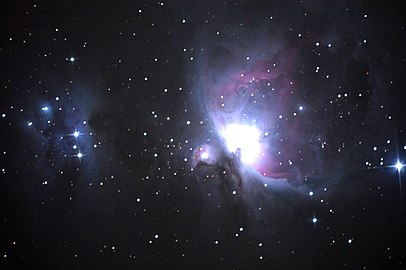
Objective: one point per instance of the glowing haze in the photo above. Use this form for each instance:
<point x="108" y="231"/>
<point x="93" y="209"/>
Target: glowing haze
<point x="243" y="140"/>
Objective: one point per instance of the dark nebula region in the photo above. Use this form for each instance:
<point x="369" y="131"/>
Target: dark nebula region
<point x="202" y="135"/>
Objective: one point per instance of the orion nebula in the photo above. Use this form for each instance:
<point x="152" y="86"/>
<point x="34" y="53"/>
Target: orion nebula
<point x="255" y="108"/>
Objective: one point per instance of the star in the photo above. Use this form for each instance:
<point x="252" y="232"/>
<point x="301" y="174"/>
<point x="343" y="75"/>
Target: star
<point x="399" y="166"/>
<point x="79" y="155"/>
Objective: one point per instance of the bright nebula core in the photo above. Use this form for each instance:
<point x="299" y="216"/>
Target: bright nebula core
<point x="243" y="140"/>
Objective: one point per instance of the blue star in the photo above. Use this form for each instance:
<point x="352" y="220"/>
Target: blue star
<point x="399" y="166"/>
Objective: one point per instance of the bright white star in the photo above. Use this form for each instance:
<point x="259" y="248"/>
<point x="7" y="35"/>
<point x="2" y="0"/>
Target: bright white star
<point x="399" y="166"/>
<point x="243" y="140"/>
<point x="76" y="134"/>
<point x="80" y="155"/>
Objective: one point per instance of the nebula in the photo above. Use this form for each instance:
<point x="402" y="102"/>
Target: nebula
<point x="251" y="100"/>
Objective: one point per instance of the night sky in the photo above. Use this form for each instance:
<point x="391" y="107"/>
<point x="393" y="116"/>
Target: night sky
<point x="203" y="135"/>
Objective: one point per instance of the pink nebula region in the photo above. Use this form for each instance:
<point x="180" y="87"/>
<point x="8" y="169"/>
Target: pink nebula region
<point x="256" y="110"/>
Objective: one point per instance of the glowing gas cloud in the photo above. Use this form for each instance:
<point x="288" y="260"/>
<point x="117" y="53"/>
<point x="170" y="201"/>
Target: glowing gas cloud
<point x="243" y="140"/>
<point x="252" y="102"/>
